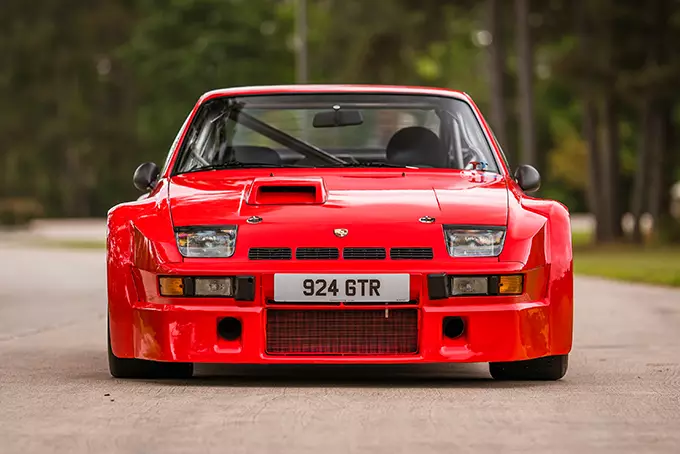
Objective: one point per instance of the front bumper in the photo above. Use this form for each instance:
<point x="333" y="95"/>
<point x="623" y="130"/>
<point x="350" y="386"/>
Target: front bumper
<point x="497" y="328"/>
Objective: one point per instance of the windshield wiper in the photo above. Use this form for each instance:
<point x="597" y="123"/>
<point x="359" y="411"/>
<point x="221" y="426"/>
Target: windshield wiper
<point x="377" y="164"/>
<point x="239" y="165"/>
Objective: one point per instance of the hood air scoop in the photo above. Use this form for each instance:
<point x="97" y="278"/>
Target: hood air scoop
<point x="286" y="191"/>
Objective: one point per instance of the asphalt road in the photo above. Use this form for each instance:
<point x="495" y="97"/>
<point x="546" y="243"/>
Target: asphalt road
<point x="621" y="394"/>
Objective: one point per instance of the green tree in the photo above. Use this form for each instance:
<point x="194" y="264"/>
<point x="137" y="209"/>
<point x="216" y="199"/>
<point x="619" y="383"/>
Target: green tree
<point x="64" y="102"/>
<point x="183" y="48"/>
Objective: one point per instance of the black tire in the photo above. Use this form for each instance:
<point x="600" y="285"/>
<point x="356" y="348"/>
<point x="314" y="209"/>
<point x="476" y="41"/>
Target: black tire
<point x="546" y="368"/>
<point x="140" y="368"/>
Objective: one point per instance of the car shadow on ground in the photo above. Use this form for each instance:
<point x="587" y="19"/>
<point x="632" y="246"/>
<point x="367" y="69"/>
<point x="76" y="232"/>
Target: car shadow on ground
<point x="346" y="376"/>
<point x="454" y="375"/>
<point x="91" y="365"/>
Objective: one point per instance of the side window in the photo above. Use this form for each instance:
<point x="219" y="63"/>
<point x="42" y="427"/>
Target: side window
<point x="202" y="142"/>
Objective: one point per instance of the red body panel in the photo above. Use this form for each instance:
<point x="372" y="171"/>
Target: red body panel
<point x="379" y="207"/>
<point x="350" y="196"/>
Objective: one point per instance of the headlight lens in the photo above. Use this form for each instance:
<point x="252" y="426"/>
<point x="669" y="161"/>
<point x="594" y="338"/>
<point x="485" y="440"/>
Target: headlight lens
<point x="209" y="241"/>
<point x="474" y="241"/>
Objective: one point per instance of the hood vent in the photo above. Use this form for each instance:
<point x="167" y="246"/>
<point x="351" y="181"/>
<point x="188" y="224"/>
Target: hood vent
<point x="286" y="191"/>
<point x="285" y="195"/>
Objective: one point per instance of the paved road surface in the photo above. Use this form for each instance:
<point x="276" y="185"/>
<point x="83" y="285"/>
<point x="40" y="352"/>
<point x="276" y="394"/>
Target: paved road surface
<point x="622" y="393"/>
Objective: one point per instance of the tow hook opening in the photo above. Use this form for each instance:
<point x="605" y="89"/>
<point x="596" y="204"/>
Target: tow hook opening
<point x="229" y="328"/>
<point x="453" y="327"/>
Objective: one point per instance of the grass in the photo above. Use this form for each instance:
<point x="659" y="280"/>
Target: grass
<point x="646" y="264"/>
<point x="71" y="244"/>
<point x="581" y="239"/>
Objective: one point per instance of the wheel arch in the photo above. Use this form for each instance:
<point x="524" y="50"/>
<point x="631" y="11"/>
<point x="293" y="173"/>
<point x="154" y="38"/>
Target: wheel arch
<point x="139" y="236"/>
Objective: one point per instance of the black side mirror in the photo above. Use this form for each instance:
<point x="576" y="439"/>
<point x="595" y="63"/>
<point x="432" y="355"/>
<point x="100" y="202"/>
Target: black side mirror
<point x="528" y="178"/>
<point x="146" y="176"/>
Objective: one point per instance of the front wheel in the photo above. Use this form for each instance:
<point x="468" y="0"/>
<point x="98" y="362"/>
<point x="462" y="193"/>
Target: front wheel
<point x="141" y="368"/>
<point x="546" y="368"/>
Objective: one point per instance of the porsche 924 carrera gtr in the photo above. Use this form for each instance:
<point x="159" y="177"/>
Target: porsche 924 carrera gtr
<point x="338" y="224"/>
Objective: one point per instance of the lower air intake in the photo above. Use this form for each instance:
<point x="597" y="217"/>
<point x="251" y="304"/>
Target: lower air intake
<point x="342" y="332"/>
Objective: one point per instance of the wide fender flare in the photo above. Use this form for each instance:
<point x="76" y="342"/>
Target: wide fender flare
<point x="539" y="234"/>
<point x="139" y="236"/>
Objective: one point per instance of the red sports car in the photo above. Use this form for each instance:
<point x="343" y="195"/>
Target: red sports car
<point x="338" y="224"/>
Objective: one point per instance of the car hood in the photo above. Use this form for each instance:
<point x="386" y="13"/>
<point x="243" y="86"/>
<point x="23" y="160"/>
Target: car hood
<point x="352" y="197"/>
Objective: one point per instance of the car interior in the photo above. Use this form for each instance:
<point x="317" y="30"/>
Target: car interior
<point x="411" y="146"/>
<point x="219" y="141"/>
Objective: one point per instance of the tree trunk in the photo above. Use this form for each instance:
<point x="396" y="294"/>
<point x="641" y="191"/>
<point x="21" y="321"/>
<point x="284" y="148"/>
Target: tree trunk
<point x="669" y="227"/>
<point x="590" y="127"/>
<point x="661" y="166"/>
<point x="611" y="208"/>
<point x="590" y="117"/>
<point x="497" y="71"/>
<point x="640" y="198"/>
<point x="655" y="163"/>
<point x="525" y="66"/>
<point x="654" y="172"/>
<point x="610" y="211"/>
<point x="661" y="160"/>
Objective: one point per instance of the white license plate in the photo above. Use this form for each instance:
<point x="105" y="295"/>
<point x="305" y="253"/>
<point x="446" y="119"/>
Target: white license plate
<point x="341" y="287"/>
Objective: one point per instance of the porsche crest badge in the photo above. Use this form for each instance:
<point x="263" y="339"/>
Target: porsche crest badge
<point x="340" y="233"/>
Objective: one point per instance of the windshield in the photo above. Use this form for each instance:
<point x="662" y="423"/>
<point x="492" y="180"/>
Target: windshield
<point x="335" y="130"/>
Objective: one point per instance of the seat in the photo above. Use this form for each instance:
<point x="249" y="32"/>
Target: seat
<point x="416" y="146"/>
<point x="250" y="154"/>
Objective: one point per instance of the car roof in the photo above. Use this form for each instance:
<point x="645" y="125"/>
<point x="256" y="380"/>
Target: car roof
<point x="333" y="88"/>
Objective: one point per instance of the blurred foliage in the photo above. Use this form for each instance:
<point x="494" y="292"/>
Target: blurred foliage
<point x="180" y="49"/>
<point x="90" y="89"/>
<point x="67" y="107"/>
<point x="567" y="166"/>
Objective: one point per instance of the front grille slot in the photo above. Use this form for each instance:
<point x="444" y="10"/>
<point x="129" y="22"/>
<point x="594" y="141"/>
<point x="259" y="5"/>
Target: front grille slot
<point x="269" y="253"/>
<point x="364" y="253"/>
<point x="316" y="253"/>
<point x="305" y="303"/>
<point x="342" y="332"/>
<point x="414" y="253"/>
<point x="380" y="304"/>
